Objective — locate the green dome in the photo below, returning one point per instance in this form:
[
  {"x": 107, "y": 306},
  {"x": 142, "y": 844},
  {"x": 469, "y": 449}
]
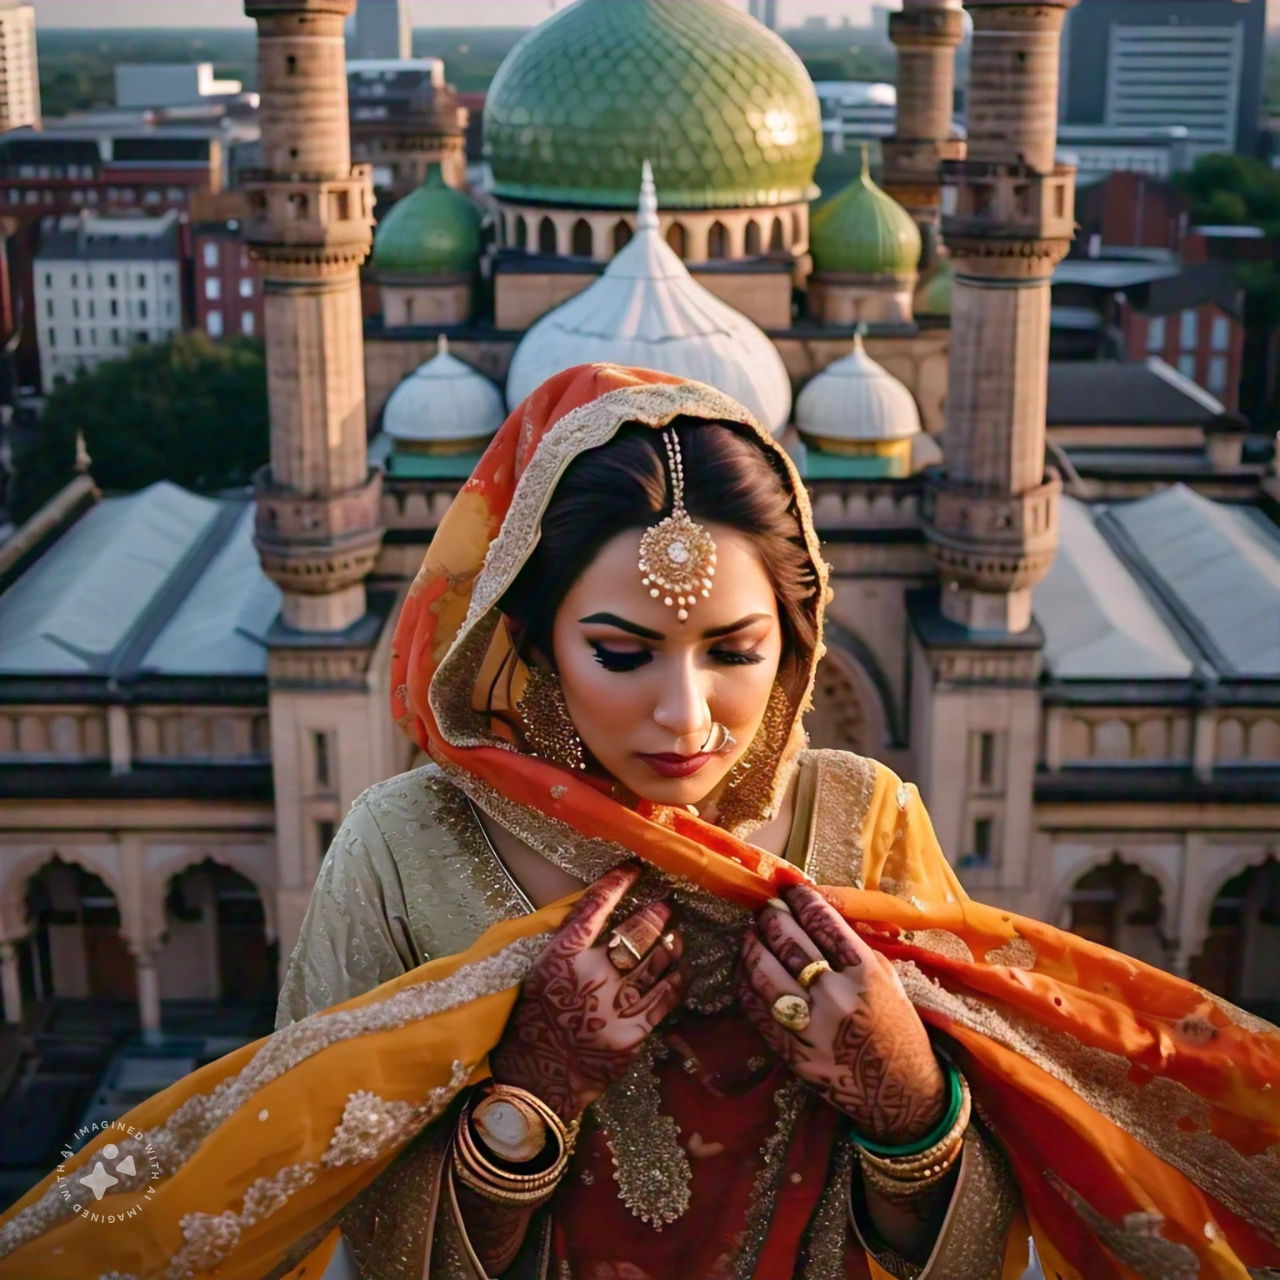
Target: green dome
[
  {"x": 721, "y": 106},
  {"x": 864, "y": 231},
  {"x": 933, "y": 297},
  {"x": 434, "y": 230}
]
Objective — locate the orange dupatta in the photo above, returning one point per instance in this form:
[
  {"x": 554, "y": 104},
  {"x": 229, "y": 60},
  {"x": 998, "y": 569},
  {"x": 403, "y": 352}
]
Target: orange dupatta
[{"x": 1139, "y": 1113}]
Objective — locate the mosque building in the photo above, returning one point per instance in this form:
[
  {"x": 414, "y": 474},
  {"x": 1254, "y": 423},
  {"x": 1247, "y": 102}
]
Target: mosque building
[{"x": 1086, "y": 691}]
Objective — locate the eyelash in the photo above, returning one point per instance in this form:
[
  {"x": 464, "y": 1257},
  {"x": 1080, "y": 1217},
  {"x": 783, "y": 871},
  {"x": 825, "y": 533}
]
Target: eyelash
[{"x": 612, "y": 660}]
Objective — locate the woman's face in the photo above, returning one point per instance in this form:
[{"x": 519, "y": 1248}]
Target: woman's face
[{"x": 644, "y": 689}]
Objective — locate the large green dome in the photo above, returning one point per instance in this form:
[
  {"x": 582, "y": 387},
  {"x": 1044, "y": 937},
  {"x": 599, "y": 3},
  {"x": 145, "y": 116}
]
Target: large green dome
[
  {"x": 721, "y": 106},
  {"x": 864, "y": 231},
  {"x": 434, "y": 230}
]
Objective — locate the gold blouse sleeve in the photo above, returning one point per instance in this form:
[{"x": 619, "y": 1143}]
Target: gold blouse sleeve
[{"x": 409, "y": 877}]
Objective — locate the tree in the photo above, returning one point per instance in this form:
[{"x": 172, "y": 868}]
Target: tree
[{"x": 188, "y": 410}]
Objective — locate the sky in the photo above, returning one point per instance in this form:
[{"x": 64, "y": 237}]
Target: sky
[{"x": 443, "y": 13}]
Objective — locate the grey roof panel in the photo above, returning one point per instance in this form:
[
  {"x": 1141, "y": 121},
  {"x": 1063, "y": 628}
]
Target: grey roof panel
[
  {"x": 1098, "y": 622},
  {"x": 79, "y": 603},
  {"x": 220, "y": 628},
  {"x": 1219, "y": 567},
  {"x": 1125, "y": 393}
]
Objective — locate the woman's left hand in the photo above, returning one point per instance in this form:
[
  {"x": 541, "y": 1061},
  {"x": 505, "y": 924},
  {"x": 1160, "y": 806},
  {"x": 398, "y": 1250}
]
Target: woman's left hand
[{"x": 865, "y": 1049}]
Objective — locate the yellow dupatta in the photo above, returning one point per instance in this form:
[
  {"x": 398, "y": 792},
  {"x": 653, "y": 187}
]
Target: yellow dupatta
[{"x": 1140, "y": 1114}]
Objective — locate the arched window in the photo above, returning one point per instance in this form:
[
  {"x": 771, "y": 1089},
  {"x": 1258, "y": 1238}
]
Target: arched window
[
  {"x": 522, "y": 232},
  {"x": 777, "y": 237},
  {"x": 751, "y": 242},
  {"x": 621, "y": 235},
  {"x": 583, "y": 240},
  {"x": 547, "y": 240},
  {"x": 677, "y": 239},
  {"x": 795, "y": 229},
  {"x": 718, "y": 241}
]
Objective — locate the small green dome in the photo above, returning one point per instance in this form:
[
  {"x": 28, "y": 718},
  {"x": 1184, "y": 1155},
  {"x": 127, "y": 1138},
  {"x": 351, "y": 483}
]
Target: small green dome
[
  {"x": 865, "y": 231},
  {"x": 933, "y": 297},
  {"x": 434, "y": 230},
  {"x": 721, "y": 106}
]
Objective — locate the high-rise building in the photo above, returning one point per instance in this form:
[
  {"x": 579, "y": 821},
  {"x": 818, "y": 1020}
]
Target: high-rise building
[
  {"x": 384, "y": 29},
  {"x": 1145, "y": 64},
  {"x": 19, "y": 74}
]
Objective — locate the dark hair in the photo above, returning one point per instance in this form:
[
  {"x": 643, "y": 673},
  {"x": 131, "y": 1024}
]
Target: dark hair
[{"x": 728, "y": 478}]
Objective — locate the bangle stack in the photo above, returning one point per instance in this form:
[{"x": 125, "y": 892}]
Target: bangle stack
[
  {"x": 527, "y": 1184},
  {"x": 899, "y": 1173}
]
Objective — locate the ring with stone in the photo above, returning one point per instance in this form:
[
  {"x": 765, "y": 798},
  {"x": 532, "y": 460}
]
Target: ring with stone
[
  {"x": 622, "y": 952},
  {"x": 812, "y": 972},
  {"x": 791, "y": 1012}
]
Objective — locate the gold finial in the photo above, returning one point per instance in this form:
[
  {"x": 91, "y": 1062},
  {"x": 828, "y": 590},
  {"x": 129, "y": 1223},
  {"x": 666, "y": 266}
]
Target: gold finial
[{"x": 83, "y": 461}]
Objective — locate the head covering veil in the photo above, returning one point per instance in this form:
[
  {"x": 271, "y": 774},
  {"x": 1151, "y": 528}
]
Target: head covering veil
[{"x": 1140, "y": 1114}]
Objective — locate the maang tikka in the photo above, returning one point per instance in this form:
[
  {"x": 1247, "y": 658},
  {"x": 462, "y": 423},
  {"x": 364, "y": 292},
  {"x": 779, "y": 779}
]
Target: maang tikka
[{"x": 677, "y": 555}]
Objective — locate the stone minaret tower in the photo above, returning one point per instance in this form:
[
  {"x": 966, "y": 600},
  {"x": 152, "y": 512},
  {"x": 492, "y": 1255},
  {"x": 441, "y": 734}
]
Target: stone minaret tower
[
  {"x": 1007, "y": 221},
  {"x": 991, "y": 512},
  {"x": 926, "y": 33},
  {"x": 309, "y": 228}
]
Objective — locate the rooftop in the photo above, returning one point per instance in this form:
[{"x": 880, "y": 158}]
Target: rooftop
[{"x": 1125, "y": 393}]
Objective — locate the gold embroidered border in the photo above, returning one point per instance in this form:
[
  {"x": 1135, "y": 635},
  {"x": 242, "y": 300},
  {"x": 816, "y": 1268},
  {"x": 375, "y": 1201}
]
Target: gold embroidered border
[
  {"x": 1248, "y": 1185},
  {"x": 174, "y": 1142},
  {"x": 845, "y": 785}
]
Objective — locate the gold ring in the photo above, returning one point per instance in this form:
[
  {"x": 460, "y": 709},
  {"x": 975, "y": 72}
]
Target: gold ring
[
  {"x": 622, "y": 953},
  {"x": 791, "y": 1012},
  {"x": 812, "y": 972}
]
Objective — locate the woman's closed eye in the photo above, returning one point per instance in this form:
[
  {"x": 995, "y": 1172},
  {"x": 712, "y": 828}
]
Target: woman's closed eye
[{"x": 612, "y": 659}]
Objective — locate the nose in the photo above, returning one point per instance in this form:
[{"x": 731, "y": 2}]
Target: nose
[{"x": 682, "y": 708}]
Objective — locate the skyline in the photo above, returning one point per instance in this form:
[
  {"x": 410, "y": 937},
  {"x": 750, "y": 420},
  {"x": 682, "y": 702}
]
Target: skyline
[{"x": 54, "y": 14}]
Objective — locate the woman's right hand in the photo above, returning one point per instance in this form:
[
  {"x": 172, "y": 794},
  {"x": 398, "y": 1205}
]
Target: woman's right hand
[{"x": 579, "y": 1019}]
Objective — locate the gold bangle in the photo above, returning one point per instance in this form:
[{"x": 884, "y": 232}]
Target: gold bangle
[
  {"x": 896, "y": 1192},
  {"x": 910, "y": 1174}
]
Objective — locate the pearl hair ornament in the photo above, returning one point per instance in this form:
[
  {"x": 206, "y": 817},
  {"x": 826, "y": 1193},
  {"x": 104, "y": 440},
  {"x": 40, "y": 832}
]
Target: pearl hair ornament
[{"x": 677, "y": 555}]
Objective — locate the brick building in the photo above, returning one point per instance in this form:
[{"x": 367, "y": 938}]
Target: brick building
[{"x": 226, "y": 285}]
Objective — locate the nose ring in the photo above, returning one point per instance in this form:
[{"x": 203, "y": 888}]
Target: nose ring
[{"x": 718, "y": 739}]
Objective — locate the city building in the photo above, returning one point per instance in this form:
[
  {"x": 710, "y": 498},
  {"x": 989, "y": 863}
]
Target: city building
[
  {"x": 1152, "y": 64},
  {"x": 170, "y": 84},
  {"x": 384, "y": 30},
  {"x": 1079, "y": 667},
  {"x": 226, "y": 285},
  {"x": 103, "y": 284},
  {"x": 19, "y": 67},
  {"x": 404, "y": 119}
]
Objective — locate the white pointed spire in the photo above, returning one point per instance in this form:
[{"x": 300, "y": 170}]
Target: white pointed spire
[
  {"x": 647, "y": 212},
  {"x": 648, "y": 312}
]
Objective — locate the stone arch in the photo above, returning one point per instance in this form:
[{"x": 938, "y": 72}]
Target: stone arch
[
  {"x": 1220, "y": 925},
  {"x": 797, "y": 228},
  {"x": 1264, "y": 740},
  {"x": 217, "y": 943},
  {"x": 621, "y": 235},
  {"x": 1124, "y": 902},
  {"x": 582, "y": 240},
  {"x": 678, "y": 239},
  {"x": 258, "y": 871},
  {"x": 751, "y": 241},
  {"x": 717, "y": 240},
  {"x": 548, "y": 238},
  {"x": 777, "y": 237},
  {"x": 15, "y": 875},
  {"x": 1231, "y": 741},
  {"x": 64, "y": 737},
  {"x": 875, "y": 688},
  {"x": 1112, "y": 740},
  {"x": 521, "y": 232}
]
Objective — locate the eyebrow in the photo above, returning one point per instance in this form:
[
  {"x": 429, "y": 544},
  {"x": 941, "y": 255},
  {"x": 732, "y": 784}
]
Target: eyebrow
[{"x": 635, "y": 629}]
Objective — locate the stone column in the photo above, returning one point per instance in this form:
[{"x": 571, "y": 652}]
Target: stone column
[
  {"x": 1007, "y": 219},
  {"x": 148, "y": 995},
  {"x": 10, "y": 982},
  {"x": 309, "y": 228},
  {"x": 926, "y": 33}
]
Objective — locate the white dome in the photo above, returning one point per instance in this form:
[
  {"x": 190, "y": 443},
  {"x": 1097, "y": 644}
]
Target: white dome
[
  {"x": 443, "y": 402},
  {"x": 646, "y": 310},
  {"x": 856, "y": 401}
]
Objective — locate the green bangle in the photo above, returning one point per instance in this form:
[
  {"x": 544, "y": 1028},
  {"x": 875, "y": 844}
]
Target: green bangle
[{"x": 921, "y": 1145}]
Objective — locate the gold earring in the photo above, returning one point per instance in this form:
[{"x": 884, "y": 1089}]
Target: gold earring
[
  {"x": 750, "y": 785},
  {"x": 548, "y": 727}
]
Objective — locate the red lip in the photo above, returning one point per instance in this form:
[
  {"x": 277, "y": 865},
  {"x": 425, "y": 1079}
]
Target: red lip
[{"x": 667, "y": 764}]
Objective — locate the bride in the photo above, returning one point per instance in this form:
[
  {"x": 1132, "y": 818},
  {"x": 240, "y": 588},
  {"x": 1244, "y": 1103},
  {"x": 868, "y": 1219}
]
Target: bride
[{"x": 595, "y": 1019}]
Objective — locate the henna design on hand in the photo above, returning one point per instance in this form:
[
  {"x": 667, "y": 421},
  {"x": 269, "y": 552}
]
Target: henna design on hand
[
  {"x": 579, "y": 1021},
  {"x": 865, "y": 1050}
]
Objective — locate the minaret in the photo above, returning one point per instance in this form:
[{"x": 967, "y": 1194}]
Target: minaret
[
  {"x": 926, "y": 33},
  {"x": 309, "y": 229},
  {"x": 991, "y": 517}
]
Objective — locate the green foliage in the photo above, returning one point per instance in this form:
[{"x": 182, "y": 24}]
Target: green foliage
[
  {"x": 188, "y": 410},
  {"x": 1235, "y": 190}
]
